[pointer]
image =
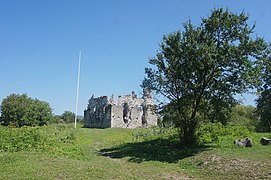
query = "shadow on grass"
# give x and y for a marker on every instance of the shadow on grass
(162, 150)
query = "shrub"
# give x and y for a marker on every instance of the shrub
(213, 132)
(209, 133)
(53, 139)
(244, 116)
(68, 117)
(19, 139)
(155, 132)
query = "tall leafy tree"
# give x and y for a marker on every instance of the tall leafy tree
(264, 100)
(205, 66)
(21, 110)
(264, 110)
(68, 116)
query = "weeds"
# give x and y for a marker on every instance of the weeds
(61, 151)
(215, 132)
(147, 134)
(53, 139)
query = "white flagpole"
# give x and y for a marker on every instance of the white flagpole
(77, 92)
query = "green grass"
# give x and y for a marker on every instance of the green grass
(62, 152)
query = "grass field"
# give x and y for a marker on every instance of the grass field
(62, 152)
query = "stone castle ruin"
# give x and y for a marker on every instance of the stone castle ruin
(128, 112)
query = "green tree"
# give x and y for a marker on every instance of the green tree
(57, 119)
(205, 66)
(21, 110)
(264, 110)
(68, 116)
(168, 116)
(264, 100)
(244, 116)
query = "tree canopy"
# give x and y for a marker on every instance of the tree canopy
(68, 117)
(201, 68)
(264, 100)
(21, 110)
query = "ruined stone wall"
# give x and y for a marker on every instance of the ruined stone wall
(128, 112)
(149, 116)
(98, 113)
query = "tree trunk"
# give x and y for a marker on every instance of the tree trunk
(187, 135)
(187, 127)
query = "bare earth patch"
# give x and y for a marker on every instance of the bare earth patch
(240, 168)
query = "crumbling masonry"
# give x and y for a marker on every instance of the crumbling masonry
(128, 112)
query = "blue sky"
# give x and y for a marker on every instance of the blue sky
(40, 42)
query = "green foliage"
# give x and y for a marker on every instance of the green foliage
(143, 134)
(168, 117)
(68, 117)
(235, 132)
(21, 110)
(56, 119)
(264, 110)
(209, 133)
(244, 116)
(204, 67)
(114, 153)
(214, 132)
(19, 139)
(53, 139)
(264, 102)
